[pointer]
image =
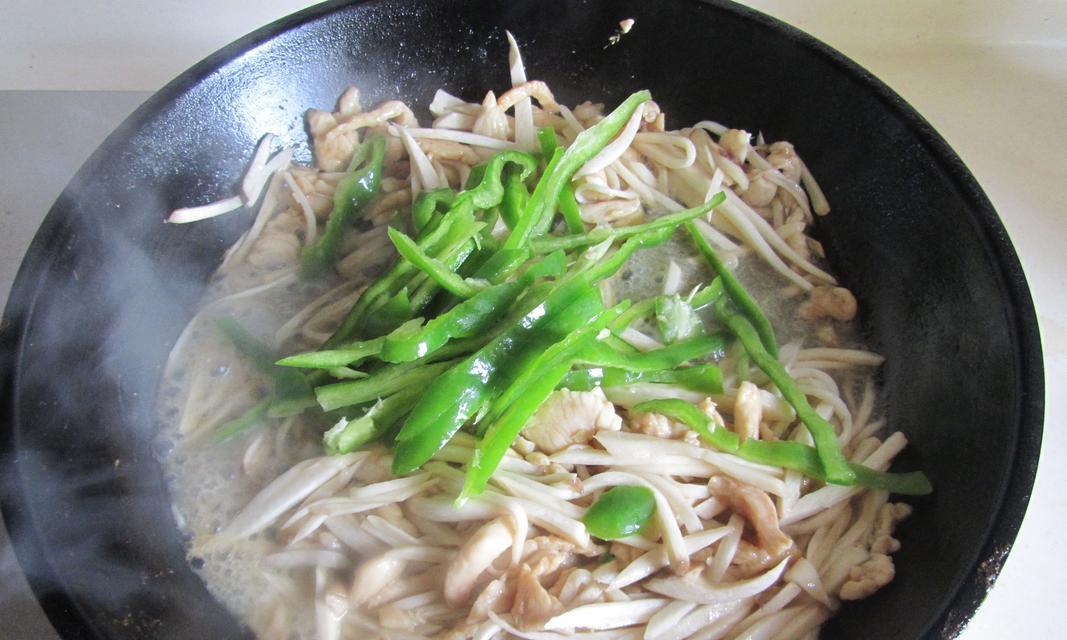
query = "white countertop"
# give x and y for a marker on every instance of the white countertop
(990, 76)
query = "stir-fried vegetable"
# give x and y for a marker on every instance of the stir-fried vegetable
(353, 193)
(788, 455)
(473, 329)
(620, 511)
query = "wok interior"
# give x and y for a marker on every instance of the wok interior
(116, 286)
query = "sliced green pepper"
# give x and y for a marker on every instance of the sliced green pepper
(835, 466)
(353, 193)
(620, 512)
(704, 378)
(788, 455)
(744, 301)
(461, 392)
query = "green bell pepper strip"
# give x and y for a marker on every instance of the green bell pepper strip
(568, 205)
(606, 267)
(596, 236)
(515, 198)
(433, 242)
(381, 383)
(347, 355)
(705, 378)
(736, 291)
(676, 319)
(396, 311)
(708, 295)
(541, 208)
(832, 458)
(422, 212)
(353, 193)
(510, 412)
(599, 354)
(461, 392)
(245, 421)
(619, 512)
(562, 351)
(490, 189)
(291, 393)
(788, 455)
(348, 435)
(441, 274)
(472, 317)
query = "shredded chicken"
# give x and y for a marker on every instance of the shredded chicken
(535, 89)
(372, 576)
(735, 144)
(476, 555)
(828, 302)
(653, 424)
(533, 604)
(757, 508)
(570, 417)
(784, 158)
(748, 411)
(882, 540)
(868, 577)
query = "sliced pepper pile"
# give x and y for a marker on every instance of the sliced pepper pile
(494, 302)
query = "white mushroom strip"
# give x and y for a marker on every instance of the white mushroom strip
(569, 417)
(614, 149)
(693, 588)
(607, 615)
(804, 575)
(474, 557)
(524, 124)
(666, 618)
(285, 492)
(373, 576)
(653, 146)
(757, 508)
(654, 560)
(421, 167)
(820, 499)
(712, 619)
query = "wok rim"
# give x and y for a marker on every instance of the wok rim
(66, 613)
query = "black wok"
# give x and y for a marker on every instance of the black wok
(106, 287)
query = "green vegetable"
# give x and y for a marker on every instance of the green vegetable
(510, 412)
(396, 311)
(246, 420)
(538, 214)
(348, 435)
(353, 193)
(348, 355)
(668, 357)
(291, 393)
(515, 198)
(676, 319)
(736, 291)
(384, 382)
(462, 391)
(441, 274)
(835, 466)
(469, 318)
(704, 378)
(568, 205)
(596, 236)
(437, 240)
(427, 204)
(490, 189)
(620, 512)
(789, 455)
